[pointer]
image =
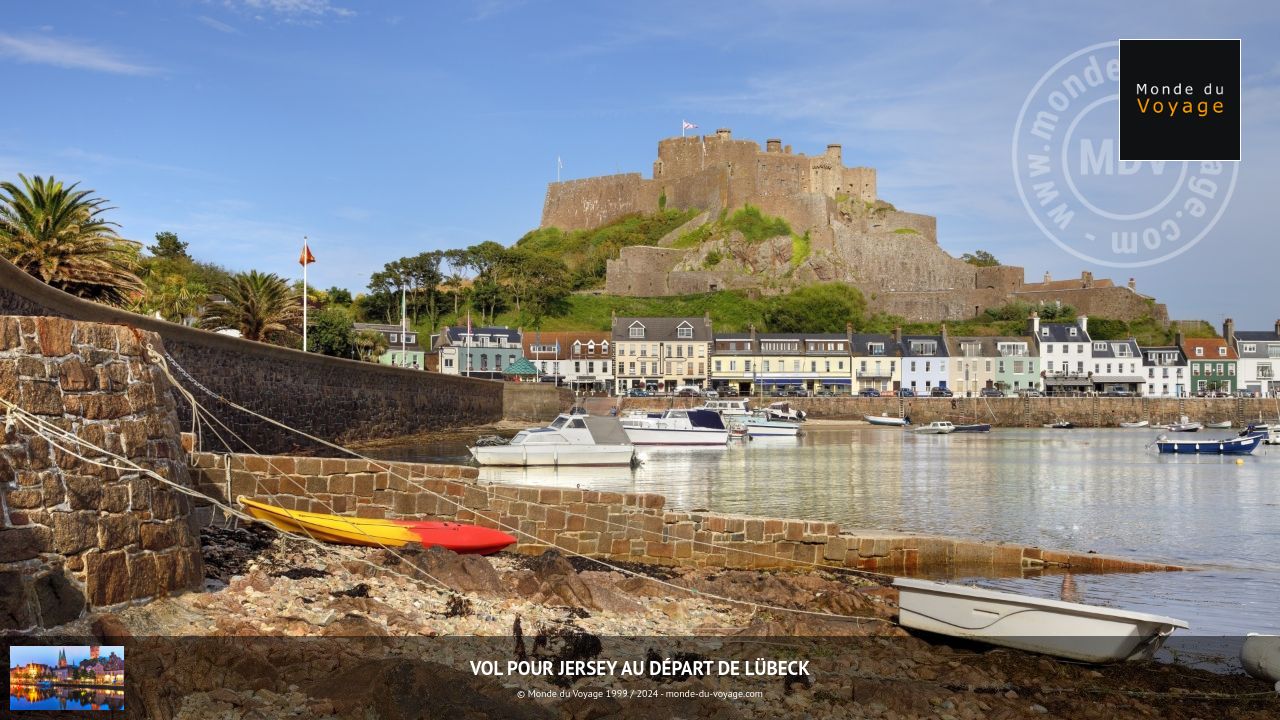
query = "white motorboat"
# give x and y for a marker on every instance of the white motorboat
(784, 411)
(937, 427)
(728, 408)
(1184, 424)
(1219, 425)
(675, 427)
(1074, 631)
(761, 424)
(571, 439)
(886, 420)
(1270, 433)
(1135, 424)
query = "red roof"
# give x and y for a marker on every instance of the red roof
(1210, 347)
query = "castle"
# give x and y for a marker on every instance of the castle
(849, 235)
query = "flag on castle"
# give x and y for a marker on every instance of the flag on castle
(686, 125)
(306, 258)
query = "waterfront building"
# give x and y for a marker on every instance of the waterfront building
(1213, 365)
(764, 363)
(1259, 358)
(1117, 367)
(877, 362)
(403, 349)
(661, 353)
(581, 360)
(1066, 355)
(1166, 369)
(1004, 363)
(482, 352)
(924, 361)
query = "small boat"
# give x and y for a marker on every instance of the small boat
(675, 427)
(1239, 445)
(1184, 424)
(728, 408)
(1270, 433)
(1219, 425)
(379, 532)
(784, 411)
(1059, 425)
(1074, 631)
(1135, 424)
(1260, 657)
(937, 427)
(973, 428)
(571, 439)
(887, 421)
(762, 424)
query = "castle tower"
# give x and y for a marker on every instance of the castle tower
(93, 652)
(62, 658)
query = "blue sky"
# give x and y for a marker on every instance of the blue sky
(384, 129)
(48, 654)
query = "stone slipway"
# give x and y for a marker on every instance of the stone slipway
(632, 527)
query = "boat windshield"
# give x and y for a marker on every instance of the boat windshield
(560, 421)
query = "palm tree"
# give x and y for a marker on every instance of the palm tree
(370, 344)
(256, 304)
(57, 233)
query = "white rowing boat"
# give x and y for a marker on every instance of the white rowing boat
(886, 420)
(1135, 424)
(1087, 633)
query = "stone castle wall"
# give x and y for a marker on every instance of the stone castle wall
(75, 536)
(635, 527)
(336, 399)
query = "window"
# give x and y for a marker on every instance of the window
(633, 368)
(1122, 350)
(395, 337)
(999, 366)
(766, 366)
(971, 348)
(1273, 350)
(924, 347)
(913, 368)
(876, 348)
(746, 366)
(1073, 332)
(1017, 366)
(1264, 371)
(1099, 347)
(1222, 352)
(1199, 352)
(1050, 368)
(717, 366)
(1231, 368)
(1080, 349)
(988, 366)
(733, 365)
(1044, 332)
(1249, 348)
(448, 362)
(637, 330)
(684, 331)
(1048, 348)
(577, 367)
(1195, 367)
(411, 339)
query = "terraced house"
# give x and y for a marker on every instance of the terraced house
(1117, 367)
(482, 352)
(876, 362)
(1213, 365)
(577, 359)
(1259, 359)
(764, 363)
(660, 353)
(1066, 357)
(1004, 363)
(1167, 370)
(924, 362)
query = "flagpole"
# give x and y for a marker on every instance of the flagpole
(304, 293)
(558, 166)
(404, 358)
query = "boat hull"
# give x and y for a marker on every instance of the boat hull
(1133, 425)
(1230, 446)
(669, 436)
(380, 532)
(885, 420)
(973, 428)
(553, 455)
(1067, 630)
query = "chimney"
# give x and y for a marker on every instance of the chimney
(897, 334)
(943, 330)
(848, 333)
(1177, 338)
(1047, 277)
(752, 328)
(1133, 284)
(1086, 278)
(773, 145)
(786, 150)
(1229, 331)
(1278, 327)
(1033, 323)
(1083, 323)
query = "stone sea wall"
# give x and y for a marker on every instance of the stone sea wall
(1013, 412)
(76, 536)
(616, 526)
(336, 399)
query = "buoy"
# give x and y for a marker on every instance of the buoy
(1239, 461)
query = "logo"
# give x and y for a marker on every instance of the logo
(1075, 187)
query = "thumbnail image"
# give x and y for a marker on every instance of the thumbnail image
(67, 677)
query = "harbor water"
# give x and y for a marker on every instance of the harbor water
(1105, 491)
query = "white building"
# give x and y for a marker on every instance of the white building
(1066, 355)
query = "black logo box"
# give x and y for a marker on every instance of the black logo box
(1186, 69)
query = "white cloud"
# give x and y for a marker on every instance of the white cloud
(46, 50)
(293, 11)
(217, 25)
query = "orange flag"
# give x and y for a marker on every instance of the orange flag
(306, 258)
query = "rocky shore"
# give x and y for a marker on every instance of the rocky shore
(285, 629)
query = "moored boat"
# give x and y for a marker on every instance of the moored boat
(1239, 445)
(784, 411)
(1184, 424)
(571, 439)
(973, 428)
(728, 408)
(887, 421)
(1270, 433)
(761, 424)
(937, 427)
(1074, 631)
(380, 532)
(675, 427)
(1059, 425)
(1219, 425)
(1135, 424)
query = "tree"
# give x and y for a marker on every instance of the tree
(540, 281)
(370, 344)
(331, 332)
(825, 307)
(422, 273)
(58, 234)
(981, 258)
(488, 297)
(339, 296)
(259, 305)
(484, 258)
(174, 296)
(169, 247)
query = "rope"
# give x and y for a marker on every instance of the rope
(391, 470)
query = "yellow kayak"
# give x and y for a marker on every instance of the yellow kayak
(380, 532)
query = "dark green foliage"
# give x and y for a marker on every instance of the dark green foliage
(585, 252)
(338, 296)
(821, 308)
(712, 259)
(981, 258)
(756, 226)
(331, 332)
(169, 247)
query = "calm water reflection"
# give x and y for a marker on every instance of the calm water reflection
(1100, 490)
(32, 697)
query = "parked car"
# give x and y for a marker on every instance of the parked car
(1117, 393)
(1030, 393)
(823, 393)
(729, 392)
(711, 394)
(991, 392)
(638, 392)
(795, 392)
(869, 392)
(688, 391)
(905, 392)
(940, 392)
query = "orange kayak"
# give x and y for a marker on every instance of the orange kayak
(380, 532)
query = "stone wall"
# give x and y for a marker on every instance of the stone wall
(1105, 412)
(73, 535)
(340, 400)
(534, 402)
(633, 527)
